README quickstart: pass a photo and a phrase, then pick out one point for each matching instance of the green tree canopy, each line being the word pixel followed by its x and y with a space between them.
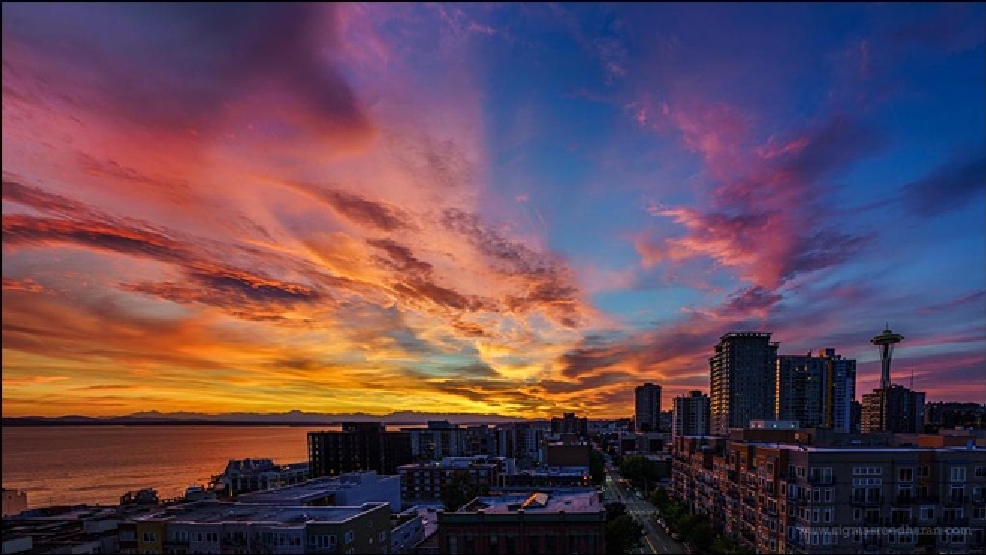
pixel 461 489
pixel 622 534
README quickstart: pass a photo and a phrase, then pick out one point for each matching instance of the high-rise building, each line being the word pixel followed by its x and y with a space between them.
pixel 648 407
pixel 817 391
pixel 358 447
pixel 691 415
pixel 742 374
pixel 893 409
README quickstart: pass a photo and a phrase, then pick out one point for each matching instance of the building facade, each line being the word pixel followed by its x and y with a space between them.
pixel 424 482
pixel 742 376
pixel 246 475
pixel 788 498
pixel 238 528
pixel 528 523
pixel 570 424
pixel 894 409
pixel 358 447
pixel 691 415
pixel 647 402
pixel 817 391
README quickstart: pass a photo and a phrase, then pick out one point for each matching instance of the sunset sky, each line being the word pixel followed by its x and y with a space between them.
pixel 510 208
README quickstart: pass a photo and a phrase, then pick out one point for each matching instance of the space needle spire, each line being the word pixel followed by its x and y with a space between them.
pixel 885 342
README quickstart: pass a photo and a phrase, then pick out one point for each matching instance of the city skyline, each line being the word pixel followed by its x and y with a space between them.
pixel 514 209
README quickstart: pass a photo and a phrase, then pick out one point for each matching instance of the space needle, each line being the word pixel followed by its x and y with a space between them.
pixel 885 342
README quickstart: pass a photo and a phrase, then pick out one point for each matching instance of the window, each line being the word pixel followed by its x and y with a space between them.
pixel 956 494
pixel 149 536
pixel 857 514
pixel 927 513
pixel 905 474
pixel 349 536
pixel 979 513
pixel 128 536
pixel 383 536
pixel 958 474
pixel 980 471
pixel 924 471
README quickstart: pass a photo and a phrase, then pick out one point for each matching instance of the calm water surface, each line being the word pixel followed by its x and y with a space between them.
pixel 98 464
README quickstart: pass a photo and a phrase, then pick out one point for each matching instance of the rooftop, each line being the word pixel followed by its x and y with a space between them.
pixel 867 448
pixel 582 502
pixel 313 488
pixel 214 512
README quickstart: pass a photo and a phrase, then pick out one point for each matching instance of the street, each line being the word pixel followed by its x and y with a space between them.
pixel 654 540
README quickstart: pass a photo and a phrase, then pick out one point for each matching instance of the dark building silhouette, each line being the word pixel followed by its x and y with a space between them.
pixel 570 424
pixel 742 380
pixel 358 447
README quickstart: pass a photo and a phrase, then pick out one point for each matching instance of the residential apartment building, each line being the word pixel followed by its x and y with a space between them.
pixel 546 523
pixel 570 424
pixel 214 527
pixel 789 498
pixel 647 402
pixel 358 447
pixel 440 439
pixel 895 409
pixel 246 475
pixel 691 415
pixel 742 375
pixel 817 391
pixel 424 482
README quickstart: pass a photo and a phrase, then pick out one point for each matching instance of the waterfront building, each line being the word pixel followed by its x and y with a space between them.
pixel 358 447
pixel 246 475
pixel 14 501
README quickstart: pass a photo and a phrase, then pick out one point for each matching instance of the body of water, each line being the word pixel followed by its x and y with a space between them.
pixel 98 464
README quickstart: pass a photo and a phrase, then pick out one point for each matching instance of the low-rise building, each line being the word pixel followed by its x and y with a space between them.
pixel 14 501
pixel 424 482
pixel 347 490
pixel 217 527
pixel 528 523
pixel 246 475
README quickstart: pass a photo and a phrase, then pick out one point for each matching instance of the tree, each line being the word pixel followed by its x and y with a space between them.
pixel 622 534
pixel 597 467
pixel 614 510
pixel 637 469
pixel 461 489
pixel 660 498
